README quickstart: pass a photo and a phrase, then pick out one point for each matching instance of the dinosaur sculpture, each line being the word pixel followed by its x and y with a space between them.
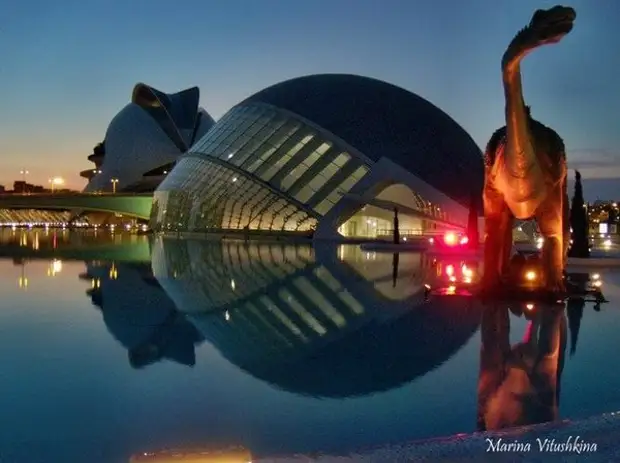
pixel 525 165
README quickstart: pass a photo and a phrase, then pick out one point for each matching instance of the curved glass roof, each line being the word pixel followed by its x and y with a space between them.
pixel 380 119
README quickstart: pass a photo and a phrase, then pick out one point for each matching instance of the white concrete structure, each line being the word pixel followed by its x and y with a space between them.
pixel 152 131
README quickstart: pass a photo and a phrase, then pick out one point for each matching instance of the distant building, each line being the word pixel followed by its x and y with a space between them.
pixel 19 186
pixel 604 218
pixel 144 140
pixel 328 155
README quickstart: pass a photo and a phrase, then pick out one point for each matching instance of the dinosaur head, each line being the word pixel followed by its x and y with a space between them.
pixel 545 27
pixel 550 26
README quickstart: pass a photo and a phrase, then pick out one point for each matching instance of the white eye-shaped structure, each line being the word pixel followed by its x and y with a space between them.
pixel 145 138
pixel 325 155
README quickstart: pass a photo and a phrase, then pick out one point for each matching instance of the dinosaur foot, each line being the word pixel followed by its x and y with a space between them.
pixel 490 290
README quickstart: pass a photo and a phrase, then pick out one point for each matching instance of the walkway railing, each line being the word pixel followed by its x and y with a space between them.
pixel 413 232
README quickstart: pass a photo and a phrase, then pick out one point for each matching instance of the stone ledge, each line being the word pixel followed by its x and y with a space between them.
pixel 602 430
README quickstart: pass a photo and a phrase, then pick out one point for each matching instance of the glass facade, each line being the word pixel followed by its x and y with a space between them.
pixel 257 169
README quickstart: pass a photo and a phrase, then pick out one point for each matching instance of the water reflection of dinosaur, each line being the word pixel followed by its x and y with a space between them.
pixel 322 321
pixel 520 384
pixel 139 314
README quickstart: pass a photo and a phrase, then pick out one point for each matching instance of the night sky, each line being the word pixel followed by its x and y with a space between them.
pixel 69 66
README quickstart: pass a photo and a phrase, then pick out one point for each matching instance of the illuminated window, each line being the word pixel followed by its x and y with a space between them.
pixel 272 144
pixel 321 178
pixel 271 171
pixel 324 206
pixel 304 165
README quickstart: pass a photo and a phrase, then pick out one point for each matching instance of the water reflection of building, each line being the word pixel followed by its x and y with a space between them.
pixel 32 216
pixel 303 320
pixel 139 314
pixel 85 245
pixel 520 384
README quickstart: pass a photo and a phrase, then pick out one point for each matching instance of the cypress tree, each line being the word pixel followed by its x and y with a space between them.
pixel 612 217
pixel 472 221
pixel 579 222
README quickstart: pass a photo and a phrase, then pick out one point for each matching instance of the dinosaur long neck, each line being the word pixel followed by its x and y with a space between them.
pixel 524 182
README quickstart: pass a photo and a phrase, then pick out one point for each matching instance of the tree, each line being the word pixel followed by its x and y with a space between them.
pixel 612 217
pixel 472 221
pixel 580 246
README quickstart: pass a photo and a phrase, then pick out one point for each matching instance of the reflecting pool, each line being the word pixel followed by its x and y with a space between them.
pixel 116 346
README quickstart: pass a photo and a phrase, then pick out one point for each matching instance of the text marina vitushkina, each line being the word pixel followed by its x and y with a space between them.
pixel 570 445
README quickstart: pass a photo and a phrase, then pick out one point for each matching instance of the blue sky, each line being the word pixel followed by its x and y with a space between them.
pixel 68 66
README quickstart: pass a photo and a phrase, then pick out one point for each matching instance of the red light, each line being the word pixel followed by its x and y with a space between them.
pixel 449 270
pixel 450 239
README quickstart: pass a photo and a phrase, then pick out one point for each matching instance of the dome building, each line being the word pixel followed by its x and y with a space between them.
pixel 144 140
pixel 331 155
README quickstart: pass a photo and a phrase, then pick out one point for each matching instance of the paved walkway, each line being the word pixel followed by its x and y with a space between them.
pixel 595 439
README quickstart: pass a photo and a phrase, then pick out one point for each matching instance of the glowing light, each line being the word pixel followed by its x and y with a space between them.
pixel 467 280
pixel 597 283
pixel 56 266
pixel 464 240
pixel 467 272
pixel 427 286
pixel 450 238
pixel 453 279
pixel 232 284
pixel 451 289
pixel 596 276
pixel 227 315
pixel 607 243
pixel 530 275
pixel 529 306
pixel 431 240
pixel 450 270
pixel 113 272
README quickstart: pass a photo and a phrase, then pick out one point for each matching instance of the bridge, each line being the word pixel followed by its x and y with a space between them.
pixel 136 205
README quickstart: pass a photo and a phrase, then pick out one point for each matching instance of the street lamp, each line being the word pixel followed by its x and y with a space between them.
pixel 56 182
pixel 114 182
pixel 24 172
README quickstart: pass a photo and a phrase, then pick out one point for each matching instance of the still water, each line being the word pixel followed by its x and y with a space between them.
pixel 114 346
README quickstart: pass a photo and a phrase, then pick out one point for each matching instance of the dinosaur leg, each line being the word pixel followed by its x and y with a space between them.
pixel 550 219
pixel 498 238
